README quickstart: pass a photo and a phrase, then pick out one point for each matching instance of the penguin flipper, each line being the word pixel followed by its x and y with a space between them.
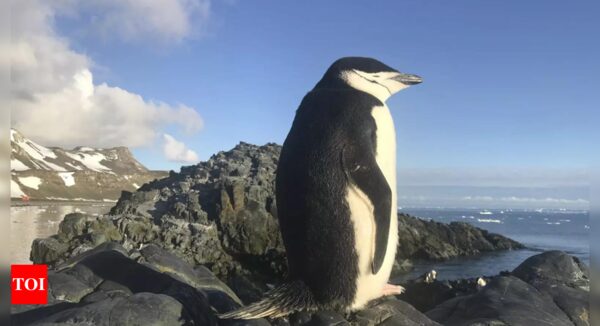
pixel 360 167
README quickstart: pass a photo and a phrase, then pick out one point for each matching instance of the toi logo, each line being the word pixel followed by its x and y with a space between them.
pixel 29 284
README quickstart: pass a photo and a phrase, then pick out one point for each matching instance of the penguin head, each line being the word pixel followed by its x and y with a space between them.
pixel 368 75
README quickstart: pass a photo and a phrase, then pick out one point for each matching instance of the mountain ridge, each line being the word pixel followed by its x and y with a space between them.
pixel 82 173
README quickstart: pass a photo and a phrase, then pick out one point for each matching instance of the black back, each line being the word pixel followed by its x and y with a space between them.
pixel 331 143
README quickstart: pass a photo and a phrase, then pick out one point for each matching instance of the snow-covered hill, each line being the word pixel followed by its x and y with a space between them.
pixel 82 173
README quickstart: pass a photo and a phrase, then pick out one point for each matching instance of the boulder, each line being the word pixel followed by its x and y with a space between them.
pixel 105 286
pixel 391 312
pixel 562 277
pixel 505 301
pixel 47 250
pixel 550 288
pixel 72 225
pixel 552 268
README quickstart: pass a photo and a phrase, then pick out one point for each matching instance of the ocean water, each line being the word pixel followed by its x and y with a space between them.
pixel 538 230
pixel 40 220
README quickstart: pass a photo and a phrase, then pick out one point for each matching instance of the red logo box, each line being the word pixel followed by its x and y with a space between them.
pixel 29 284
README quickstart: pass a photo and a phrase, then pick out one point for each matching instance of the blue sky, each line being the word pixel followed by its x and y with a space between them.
pixel 508 85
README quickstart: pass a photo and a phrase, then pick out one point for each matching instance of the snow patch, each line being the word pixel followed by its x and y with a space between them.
pixel 54 167
pixel 36 151
pixel 16 165
pixel 91 161
pixel 67 178
pixel 136 185
pixel 73 166
pixel 31 182
pixel 15 190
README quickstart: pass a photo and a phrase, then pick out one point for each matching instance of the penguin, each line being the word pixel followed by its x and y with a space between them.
pixel 336 193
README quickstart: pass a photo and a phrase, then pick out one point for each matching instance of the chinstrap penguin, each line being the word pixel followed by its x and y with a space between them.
pixel 336 193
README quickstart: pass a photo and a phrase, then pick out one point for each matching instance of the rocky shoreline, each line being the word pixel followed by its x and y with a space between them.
pixel 110 285
pixel 206 240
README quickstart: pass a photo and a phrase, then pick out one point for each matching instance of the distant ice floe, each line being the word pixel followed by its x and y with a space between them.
pixel 31 182
pixel 485 212
pixel 67 178
pixel 553 223
pixel 488 220
pixel 587 227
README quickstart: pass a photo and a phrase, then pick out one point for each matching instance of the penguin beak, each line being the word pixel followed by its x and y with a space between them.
pixel 408 79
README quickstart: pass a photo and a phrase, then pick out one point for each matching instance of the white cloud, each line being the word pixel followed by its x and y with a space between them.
pixel 56 102
pixel 176 151
pixel 134 20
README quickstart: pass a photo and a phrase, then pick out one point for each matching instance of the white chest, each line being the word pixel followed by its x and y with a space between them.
pixel 368 285
pixel 386 144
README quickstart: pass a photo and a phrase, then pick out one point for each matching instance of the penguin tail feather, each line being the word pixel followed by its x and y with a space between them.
pixel 278 302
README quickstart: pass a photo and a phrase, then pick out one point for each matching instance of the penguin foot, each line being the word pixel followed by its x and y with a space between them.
pixel 391 289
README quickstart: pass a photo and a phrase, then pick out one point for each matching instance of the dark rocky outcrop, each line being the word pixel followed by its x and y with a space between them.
pixel 109 285
pixel 222 214
pixel 551 288
pixel 423 239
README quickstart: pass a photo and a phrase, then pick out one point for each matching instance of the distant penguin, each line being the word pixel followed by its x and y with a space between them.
pixel 336 193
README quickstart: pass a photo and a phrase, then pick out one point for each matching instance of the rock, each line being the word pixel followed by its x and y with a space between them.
pixel 65 287
pixel 423 239
pixel 138 309
pixel 152 286
pixel 326 318
pixel 424 293
pixel 149 309
pixel 562 277
pixel 549 288
pixel 47 250
pixel 554 267
pixel 123 291
pixel 391 312
pixel 71 226
pixel 200 277
pixel 507 300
